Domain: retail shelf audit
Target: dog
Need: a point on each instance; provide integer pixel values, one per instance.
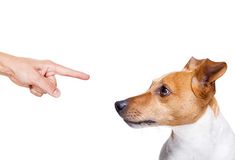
(185, 101)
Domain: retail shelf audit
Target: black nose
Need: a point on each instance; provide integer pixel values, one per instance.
(120, 105)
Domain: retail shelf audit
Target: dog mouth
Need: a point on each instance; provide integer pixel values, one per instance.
(139, 124)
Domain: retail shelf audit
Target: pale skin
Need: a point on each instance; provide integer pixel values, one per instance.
(37, 75)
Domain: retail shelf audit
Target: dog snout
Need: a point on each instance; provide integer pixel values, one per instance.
(120, 105)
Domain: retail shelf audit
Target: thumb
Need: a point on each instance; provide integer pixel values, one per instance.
(47, 86)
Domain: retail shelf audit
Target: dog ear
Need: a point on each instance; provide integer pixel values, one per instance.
(205, 75)
(192, 64)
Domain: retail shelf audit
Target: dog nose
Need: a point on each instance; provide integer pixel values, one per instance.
(120, 105)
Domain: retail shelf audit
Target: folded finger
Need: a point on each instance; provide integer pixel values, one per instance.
(36, 93)
(46, 85)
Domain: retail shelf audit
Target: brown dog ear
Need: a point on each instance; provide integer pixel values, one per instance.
(192, 64)
(203, 82)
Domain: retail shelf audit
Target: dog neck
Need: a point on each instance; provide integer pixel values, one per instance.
(204, 129)
(203, 135)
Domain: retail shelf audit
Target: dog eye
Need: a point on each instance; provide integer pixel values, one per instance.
(164, 91)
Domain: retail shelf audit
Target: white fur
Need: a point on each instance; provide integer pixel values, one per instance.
(210, 138)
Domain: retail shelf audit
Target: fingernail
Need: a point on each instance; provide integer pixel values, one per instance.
(56, 93)
(87, 77)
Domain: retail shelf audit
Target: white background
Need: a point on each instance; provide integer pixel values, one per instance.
(123, 45)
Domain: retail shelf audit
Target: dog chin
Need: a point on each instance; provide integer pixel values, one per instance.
(141, 124)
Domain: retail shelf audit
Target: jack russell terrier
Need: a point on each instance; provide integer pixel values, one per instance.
(185, 101)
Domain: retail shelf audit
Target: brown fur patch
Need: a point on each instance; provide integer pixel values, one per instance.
(180, 107)
(214, 106)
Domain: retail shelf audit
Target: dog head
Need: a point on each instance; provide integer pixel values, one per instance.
(177, 98)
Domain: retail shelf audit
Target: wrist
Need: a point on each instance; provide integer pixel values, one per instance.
(5, 63)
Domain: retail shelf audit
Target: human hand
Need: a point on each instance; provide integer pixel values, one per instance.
(37, 75)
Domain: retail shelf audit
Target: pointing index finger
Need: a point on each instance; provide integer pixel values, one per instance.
(64, 71)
